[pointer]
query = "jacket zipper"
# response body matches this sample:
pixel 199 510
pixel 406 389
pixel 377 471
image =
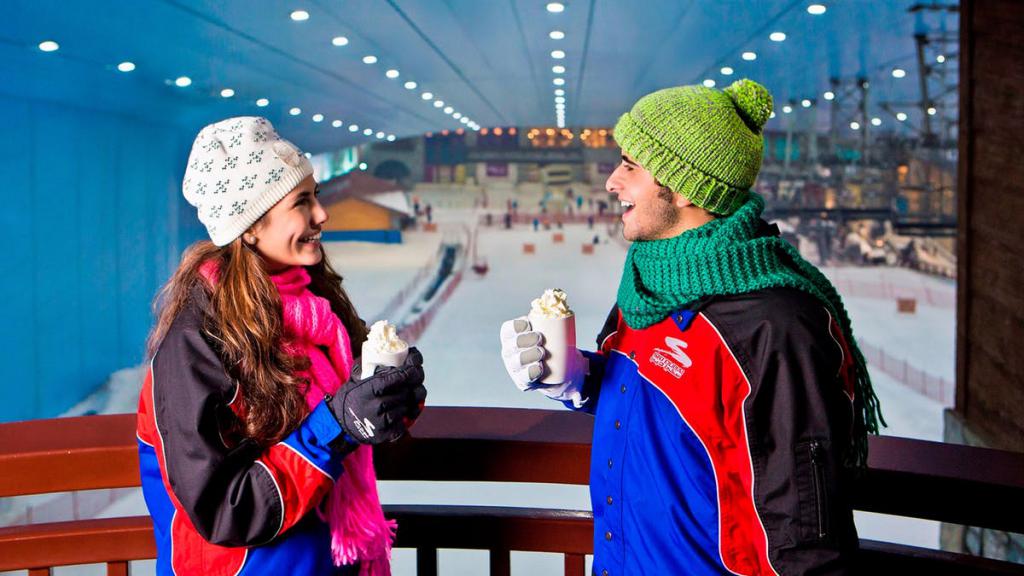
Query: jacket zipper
pixel 819 488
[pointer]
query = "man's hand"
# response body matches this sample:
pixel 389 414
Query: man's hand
pixel 522 353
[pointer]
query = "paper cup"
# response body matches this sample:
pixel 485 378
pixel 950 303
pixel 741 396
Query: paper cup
pixel 372 357
pixel 559 341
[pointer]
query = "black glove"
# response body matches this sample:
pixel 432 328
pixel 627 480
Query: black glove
pixel 380 407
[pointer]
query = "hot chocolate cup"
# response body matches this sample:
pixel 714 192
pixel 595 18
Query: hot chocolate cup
pixel 373 357
pixel 559 341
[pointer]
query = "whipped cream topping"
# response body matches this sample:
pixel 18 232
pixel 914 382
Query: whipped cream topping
pixel 552 304
pixel 383 337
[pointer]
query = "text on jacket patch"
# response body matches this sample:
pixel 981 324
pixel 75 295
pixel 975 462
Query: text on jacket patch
pixel 663 358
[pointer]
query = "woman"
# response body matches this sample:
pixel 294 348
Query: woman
pixel 255 423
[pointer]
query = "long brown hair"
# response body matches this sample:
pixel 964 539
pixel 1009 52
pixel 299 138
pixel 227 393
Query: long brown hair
pixel 244 321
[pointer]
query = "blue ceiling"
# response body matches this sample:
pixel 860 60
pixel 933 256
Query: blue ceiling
pixel 489 59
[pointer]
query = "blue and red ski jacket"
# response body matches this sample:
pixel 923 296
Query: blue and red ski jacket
pixel 221 504
pixel 719 439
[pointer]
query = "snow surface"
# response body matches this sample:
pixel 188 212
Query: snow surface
pixel 463 366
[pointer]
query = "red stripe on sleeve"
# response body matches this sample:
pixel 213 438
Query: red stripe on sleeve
pixel 300 484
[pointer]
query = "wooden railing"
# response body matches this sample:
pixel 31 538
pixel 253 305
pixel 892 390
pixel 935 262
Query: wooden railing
pixel 956 484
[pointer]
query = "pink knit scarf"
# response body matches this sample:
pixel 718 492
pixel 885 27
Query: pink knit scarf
pixel 359 531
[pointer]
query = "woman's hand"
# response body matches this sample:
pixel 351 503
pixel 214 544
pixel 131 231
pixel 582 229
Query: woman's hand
pixel 380 407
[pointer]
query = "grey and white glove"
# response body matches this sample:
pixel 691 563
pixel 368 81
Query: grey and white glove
pixel 523 354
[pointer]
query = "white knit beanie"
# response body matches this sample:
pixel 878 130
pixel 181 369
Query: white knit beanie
pixel 237 170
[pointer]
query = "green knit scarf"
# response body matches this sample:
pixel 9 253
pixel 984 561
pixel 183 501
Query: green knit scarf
pixel 726 256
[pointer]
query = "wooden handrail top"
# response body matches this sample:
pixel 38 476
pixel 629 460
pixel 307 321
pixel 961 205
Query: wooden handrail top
pixel 906 477
pixel 950 461
pixel 76 542
pixel 63 454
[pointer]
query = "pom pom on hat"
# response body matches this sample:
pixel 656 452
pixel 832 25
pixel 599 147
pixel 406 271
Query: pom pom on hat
pixel 753 102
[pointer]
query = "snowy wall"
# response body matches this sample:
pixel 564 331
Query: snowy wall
pixel 91 224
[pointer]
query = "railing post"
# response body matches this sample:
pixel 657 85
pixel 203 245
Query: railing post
pixel 501 564
pixel 39 572
pixel 426 561
pixel 117 568
pixel 575 564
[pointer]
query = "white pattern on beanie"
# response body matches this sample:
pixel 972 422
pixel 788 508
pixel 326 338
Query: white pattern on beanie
pixel 237 170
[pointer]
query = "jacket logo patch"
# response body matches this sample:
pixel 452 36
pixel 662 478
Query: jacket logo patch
pixel 364 426
pixel 663 358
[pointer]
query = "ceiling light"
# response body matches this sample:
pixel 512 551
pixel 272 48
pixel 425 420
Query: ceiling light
pixel 854 126
pixel 709 83
pixel 363 166
pixel 369 59
pixel 295 111
pixel 901 116
pixel 816 9
pixel 558 81
pixel 777 36
pixel 726 71
pixel 556 7
pixel 558 54
pixel 559 99
pixel 380 135
pixel 367 131
pixel 391 138
pixel 805 103
pixel 300 15
pixel 787 109
pixel 558 69
pixel 318 117
pixel 448 109
pixel 126 66
pixel 353 127
pixel 876 121
pixel 932 111
pixel 457 115
pixel 830 95
pixel 427 96
pixel 940 58
pixel 339 41
pixel 749 56
pixel 48 46
pixel 336 123
pixel 556 35
pixel 559 92
pixel 263 102
pixel 438 103
pixel 898 72
pixel 410 85
pixel 772 115
pixel 391 73
pixel 182 81
pixel 227 93
pixel 464 120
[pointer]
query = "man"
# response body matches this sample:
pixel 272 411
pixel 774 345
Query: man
pixel 731 402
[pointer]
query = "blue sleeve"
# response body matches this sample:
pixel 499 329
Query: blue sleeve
pixel 591 389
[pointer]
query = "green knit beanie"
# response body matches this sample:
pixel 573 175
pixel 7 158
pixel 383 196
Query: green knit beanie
pixel 700 142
